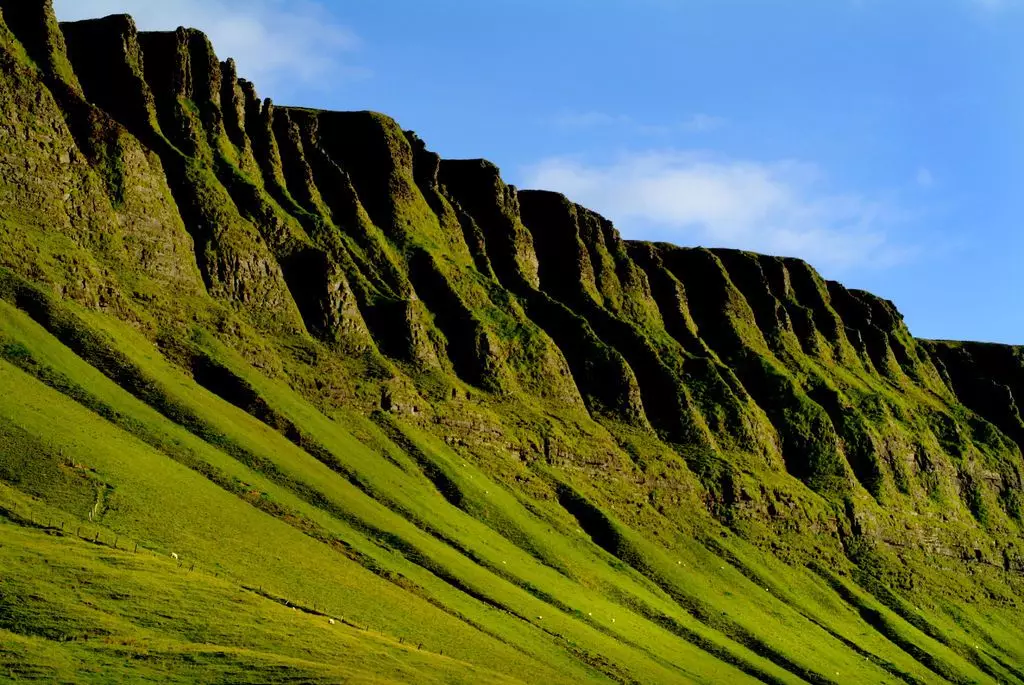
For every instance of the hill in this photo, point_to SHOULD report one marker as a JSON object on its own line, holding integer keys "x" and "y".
{"x": 286, "y": 396}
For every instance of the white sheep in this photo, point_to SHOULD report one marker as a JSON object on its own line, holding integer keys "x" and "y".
{"x": 174, "y": 555}
{"x": 331, "y": 621}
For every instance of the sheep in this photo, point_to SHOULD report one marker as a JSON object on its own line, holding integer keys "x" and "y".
{"x": 331, "y": 621}
{"x": 174, "y": 555}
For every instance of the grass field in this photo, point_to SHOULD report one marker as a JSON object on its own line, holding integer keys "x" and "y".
{"x": 428, "y": 565}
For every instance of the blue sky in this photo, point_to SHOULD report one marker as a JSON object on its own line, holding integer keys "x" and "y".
{"x": 882, "y": 140}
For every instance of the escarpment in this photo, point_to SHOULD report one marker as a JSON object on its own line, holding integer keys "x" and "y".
{"x": 344, "y": 227}
{"x": 639, "y": 397}
{"x": 491, "y": 208}
{"x": 987, "y": 378}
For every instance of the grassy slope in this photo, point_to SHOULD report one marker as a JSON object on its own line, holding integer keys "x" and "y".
{"x": 283, "y": 530}
{"x": 211, "y": 526}
{"x": 80, "y": 610}
{"x": 598, "y": 561}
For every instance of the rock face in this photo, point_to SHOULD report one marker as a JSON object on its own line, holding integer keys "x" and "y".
{"x": 139, "y": 176}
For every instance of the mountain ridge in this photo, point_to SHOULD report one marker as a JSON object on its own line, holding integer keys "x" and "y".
{"x": 306, "y": 266}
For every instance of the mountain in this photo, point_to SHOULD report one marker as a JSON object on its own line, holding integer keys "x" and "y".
{"x": 286, "y": 396}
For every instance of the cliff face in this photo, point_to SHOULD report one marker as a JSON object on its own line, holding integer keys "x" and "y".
{"x": 642, "y": 392}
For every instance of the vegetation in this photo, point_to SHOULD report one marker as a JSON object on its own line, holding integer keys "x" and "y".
{"x": 285, "y": 396}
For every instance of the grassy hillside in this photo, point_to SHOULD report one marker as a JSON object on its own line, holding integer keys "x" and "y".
{"x": 401, "y": 422}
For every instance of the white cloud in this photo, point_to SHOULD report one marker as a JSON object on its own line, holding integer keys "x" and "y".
{"x": 274, "y": 42}
{"x": 686, "y": 198}
{"x": 924, "y": 177}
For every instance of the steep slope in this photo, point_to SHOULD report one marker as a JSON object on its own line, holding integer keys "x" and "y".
{"x": 327, "y": 368}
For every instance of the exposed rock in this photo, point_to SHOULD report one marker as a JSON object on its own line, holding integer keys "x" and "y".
{"x": 494, "y": 207}
{"x": 622, "y": 385}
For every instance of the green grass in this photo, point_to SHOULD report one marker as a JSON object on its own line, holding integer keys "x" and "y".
{"x": 77, "y": 610}
{"x": 221, "y": 531}
{"x": 782, "y": 488}
{"x": 484, "y": 570}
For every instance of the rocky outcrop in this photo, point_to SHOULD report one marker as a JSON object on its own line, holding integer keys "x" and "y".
{"x": 35, "y": 26}
{"x": 140, "y": 175}
{"x": 491, "y": 209}
{"x": 987, "y": 378}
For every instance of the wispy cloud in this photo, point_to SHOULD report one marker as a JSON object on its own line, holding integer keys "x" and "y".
{"x": 274, "y": 42}
{"x": 781, "y": 207}
{"x": 591, "y": 119}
